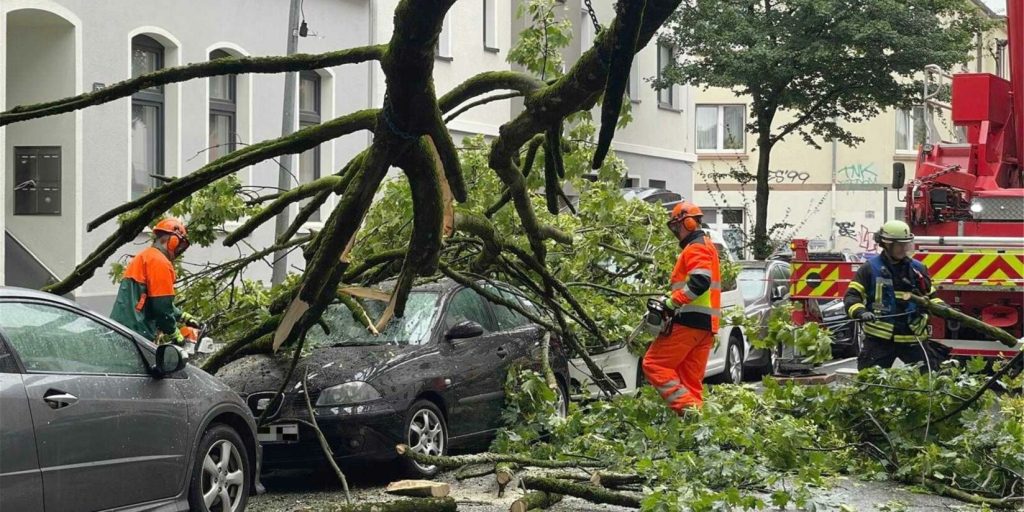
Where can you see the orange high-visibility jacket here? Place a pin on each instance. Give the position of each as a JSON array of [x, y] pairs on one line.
[[696, 283]]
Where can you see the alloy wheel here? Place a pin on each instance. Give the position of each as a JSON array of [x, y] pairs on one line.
[[426, 436], [223, 477]]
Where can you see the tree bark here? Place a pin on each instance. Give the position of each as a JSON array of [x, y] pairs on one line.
[[462, 460], [761, 243], [941, 310], [535, 500], [587, 492], [446, 504]]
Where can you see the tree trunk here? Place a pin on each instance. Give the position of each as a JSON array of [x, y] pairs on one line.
[[414, 505], [941, 310], [419, 488], [761, 243], [587, 492], [535, 500], [462, 460]]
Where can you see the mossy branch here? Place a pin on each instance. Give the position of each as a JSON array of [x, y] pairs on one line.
[[216, 67], [286, 199]]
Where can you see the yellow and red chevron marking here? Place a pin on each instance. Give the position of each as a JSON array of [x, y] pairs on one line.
[[974, 268], [820, 280]]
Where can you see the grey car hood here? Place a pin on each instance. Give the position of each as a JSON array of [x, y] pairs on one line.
[[326, 366]]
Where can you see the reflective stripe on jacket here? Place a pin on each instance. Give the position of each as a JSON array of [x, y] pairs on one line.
[[697, 283], [874, 288], [145, 298]]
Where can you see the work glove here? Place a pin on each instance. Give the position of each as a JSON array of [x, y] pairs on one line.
[[190, 320], [866, 316], [670, 304], [178, 339]]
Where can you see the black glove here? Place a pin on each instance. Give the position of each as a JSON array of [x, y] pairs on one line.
[[866, 316]]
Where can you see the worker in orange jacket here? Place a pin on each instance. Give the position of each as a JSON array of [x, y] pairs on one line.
[[676, 360], [145, 298]]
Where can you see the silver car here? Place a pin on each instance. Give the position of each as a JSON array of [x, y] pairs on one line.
[[93, 417]]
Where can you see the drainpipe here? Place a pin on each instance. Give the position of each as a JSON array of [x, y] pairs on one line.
[[284, 178], [832, 194]]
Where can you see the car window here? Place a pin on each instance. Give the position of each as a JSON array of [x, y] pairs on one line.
[[52, 339], [751, 283], [468, 305], [507, 318], [346, 328], [779, 276]]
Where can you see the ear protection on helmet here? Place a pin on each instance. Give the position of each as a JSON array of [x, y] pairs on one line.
[[691, 223], [878, 237]]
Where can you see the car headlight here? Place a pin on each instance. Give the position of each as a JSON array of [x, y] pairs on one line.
[[346, 394]]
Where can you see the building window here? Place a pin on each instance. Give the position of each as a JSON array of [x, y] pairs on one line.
[[309, 115], [656, 184], [633, 82], [443, 48], [147, 118], [630, 182], [732, 217], [490, 25], [900, 213], [666, 96], [721, 127], [910, 128], [223, 111]]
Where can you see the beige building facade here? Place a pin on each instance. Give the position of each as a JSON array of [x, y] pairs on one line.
[[835, 196]]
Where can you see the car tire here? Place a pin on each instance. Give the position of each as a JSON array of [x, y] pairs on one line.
[[425, 418], [733, 371], [561, 401], [221, 471]]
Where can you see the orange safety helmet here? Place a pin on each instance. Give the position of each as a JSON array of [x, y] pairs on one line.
[[179, 235], [688, 214]]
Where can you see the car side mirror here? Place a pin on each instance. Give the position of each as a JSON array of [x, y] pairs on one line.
[[899, 175], [779, 292], [463, 330], [169, 360]]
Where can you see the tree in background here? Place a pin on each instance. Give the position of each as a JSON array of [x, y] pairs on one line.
[[824, 63]]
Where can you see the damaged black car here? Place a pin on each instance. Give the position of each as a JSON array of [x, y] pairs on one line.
[[433, 379]]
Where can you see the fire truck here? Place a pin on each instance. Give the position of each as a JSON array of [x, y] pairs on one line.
[[965, 206]]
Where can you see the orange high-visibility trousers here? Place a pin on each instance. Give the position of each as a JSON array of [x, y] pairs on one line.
[[675, 365]]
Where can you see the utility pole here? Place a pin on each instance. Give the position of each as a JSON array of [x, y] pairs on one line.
[[284, 179]]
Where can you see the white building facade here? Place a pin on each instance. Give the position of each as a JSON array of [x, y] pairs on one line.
[[63, 171]]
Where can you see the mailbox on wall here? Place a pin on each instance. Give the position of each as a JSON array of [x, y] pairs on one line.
[[37, 176]]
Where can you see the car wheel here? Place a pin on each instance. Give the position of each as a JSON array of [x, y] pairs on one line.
[[425, 432], [220, 474], [561, 401], [733, 371]]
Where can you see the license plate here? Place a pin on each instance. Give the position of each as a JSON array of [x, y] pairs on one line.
[[282, 433]]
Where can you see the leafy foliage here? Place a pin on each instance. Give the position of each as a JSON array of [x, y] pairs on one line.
[[750, 450], [826, 63]]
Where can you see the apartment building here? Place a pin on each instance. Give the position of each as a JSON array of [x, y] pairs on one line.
[[63, 171], [836, 196]]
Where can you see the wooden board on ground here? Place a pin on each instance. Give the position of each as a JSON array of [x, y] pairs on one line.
[[419, 488]]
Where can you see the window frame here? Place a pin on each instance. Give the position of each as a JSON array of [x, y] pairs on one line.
[[225, 108], [311, 118], [157, 100], [148, 358], [720, 128], [490, 21], [655, 184], [443, 47], [909, 116], [670, 90]]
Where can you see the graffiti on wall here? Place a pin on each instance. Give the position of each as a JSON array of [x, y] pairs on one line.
[[788, 177], [857, 174], [866, 240], [845, 230]]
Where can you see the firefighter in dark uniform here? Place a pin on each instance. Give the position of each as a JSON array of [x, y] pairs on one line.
[[893, 328]]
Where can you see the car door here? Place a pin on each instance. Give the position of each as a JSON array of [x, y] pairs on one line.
[[107, 433], [474, 366], [21, 484]]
